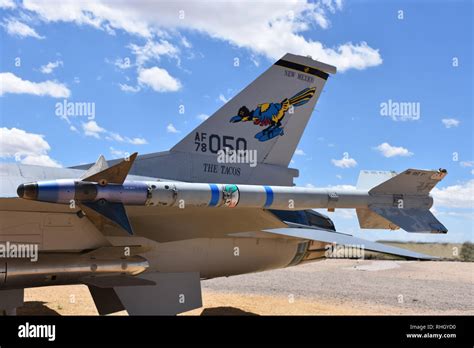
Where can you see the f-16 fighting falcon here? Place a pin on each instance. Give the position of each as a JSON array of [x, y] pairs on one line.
[[143, 232]]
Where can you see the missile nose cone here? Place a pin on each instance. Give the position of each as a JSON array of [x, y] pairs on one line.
[[20, 190], [28, 191]]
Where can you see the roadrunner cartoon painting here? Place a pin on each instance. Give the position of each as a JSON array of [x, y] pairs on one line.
[[271, 114]]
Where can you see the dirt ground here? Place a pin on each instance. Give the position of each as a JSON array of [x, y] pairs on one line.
[[330, 287]]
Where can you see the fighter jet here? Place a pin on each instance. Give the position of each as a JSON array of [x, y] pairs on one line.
[[142, 232]]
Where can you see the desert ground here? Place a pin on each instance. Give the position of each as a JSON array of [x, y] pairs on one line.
[[329, 287]]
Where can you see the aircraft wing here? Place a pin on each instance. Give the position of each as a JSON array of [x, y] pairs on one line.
[[348, 240]]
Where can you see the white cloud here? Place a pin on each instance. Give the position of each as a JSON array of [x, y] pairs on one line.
[[158, 79], [467, 164], [22, 30], [450, 122], [344, 162], [48, 68], [136, 141], [10, 83], [185, 42], [223, 99], [455, 196], [118, 153], [73, 129], [202, 117], [40, 160], [153, 51], [171, 129], [300, 152], [92, 129], [115, 137], [274, 30], [127, 88], [27, 148], [8, 4], [388, 150]]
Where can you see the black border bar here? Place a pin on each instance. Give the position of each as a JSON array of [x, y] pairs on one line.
[[302, 68], [288, 330]]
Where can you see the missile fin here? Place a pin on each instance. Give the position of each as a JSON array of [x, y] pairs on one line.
[[114, 212], [115, 174], [416, 182], [411, 219], [99, 166], [411, 181]]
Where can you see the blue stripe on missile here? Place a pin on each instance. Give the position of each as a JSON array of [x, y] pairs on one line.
[[269, 199], [214, 195], [48, 191]]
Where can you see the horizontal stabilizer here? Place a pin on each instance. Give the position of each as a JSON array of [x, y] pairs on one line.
[[344, 239], [412, 219]]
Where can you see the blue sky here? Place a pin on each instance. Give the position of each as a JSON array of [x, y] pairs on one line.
[[182, 54]]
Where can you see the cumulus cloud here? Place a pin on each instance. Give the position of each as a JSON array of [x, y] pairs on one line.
[[455, 196], [24, 147], [16, 28], [127, 88], [223, 99], [299, 152], [153, 50], [171, 129], [10, 83], [202, 117], [92, 129], [48, 68], [344, 162], [450, 122], [7, 4], [158, 79], [388, 150], [274, 30], [118, 153]]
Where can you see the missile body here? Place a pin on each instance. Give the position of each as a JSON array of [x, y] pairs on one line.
[[180, 194], [102, 193]]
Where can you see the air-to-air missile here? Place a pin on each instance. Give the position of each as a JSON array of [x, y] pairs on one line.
[[403, 200]]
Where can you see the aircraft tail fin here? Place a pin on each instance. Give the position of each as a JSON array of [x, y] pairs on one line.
[[409, 183], [268, 116]]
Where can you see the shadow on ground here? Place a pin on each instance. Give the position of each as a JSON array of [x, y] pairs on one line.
[[35, 308], [225, 311]]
